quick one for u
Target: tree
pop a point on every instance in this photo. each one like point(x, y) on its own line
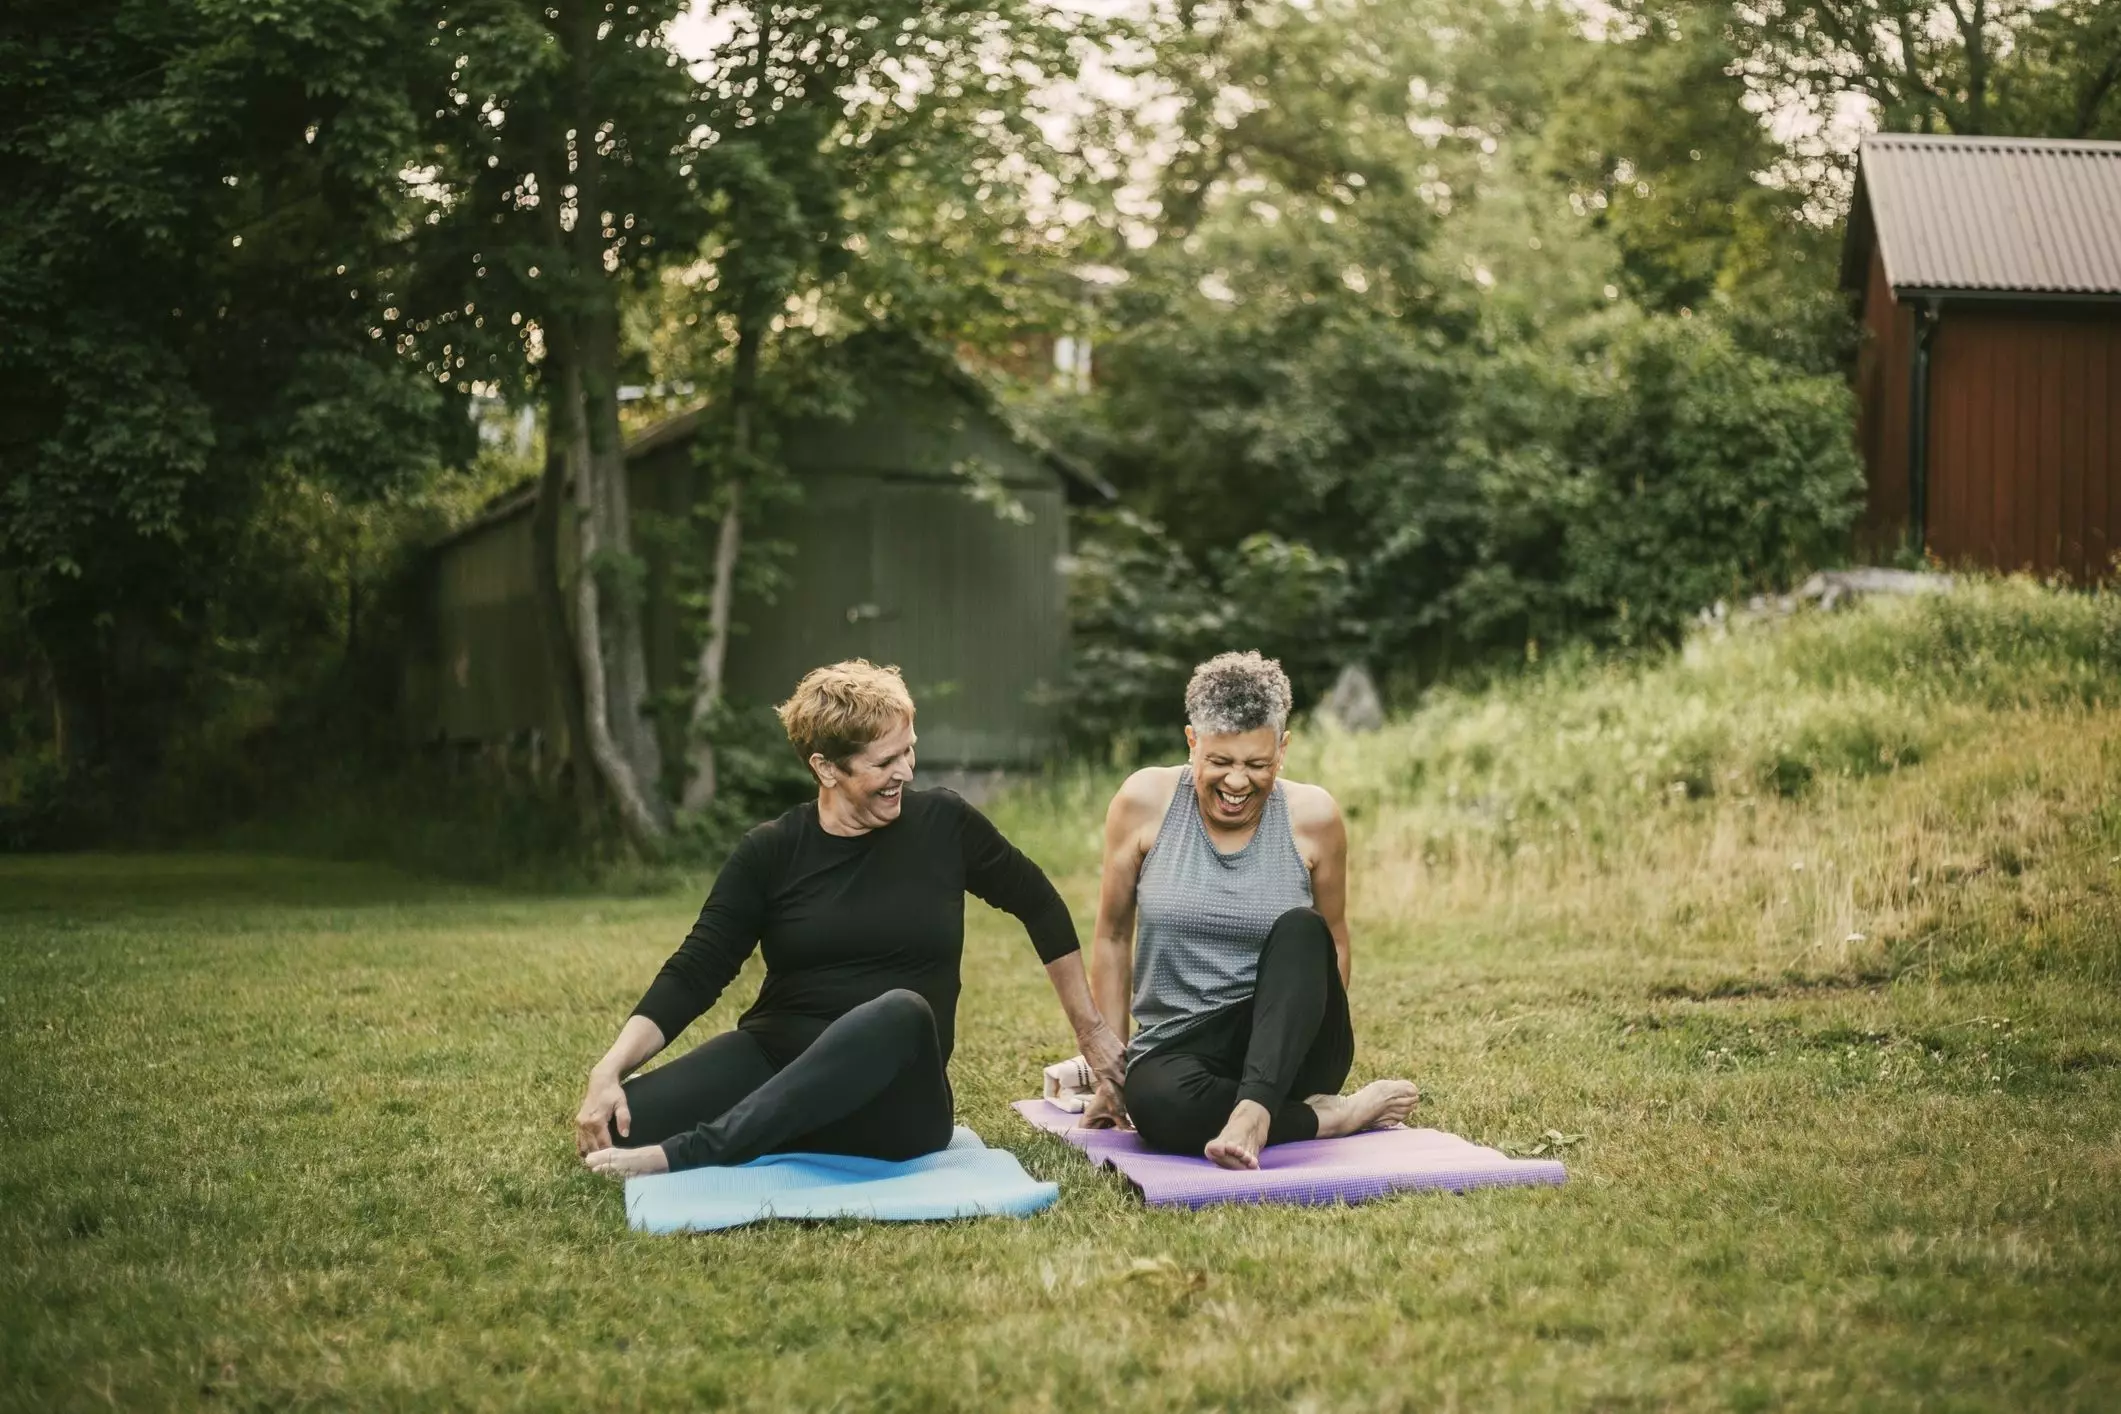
point(864, 167)
point(562, 145)
point(1651, 133)
point(1452, 309)
point(188, 195)
point(575, 155)
point(2062, 77)
point(1957, 66)
point(1279, 286)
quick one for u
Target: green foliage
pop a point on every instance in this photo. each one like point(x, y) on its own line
point(522, 106)
point(1604, 481)
point(1713, 472)
point(2022, 67)
point(1145, 613)
point(1652, 137)
point(2062, 75)
point(1431, 334)
point(758, 776)
point(182, 353)
point(1535, 357)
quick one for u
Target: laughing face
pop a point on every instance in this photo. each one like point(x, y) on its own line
point(1233, 772)
point(869, 791)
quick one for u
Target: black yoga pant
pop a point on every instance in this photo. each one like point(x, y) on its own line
point(1291, 1040)
point(871, 1084)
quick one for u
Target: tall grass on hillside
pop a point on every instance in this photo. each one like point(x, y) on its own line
point(1597, 787)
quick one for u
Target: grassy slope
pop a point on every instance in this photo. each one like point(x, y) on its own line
point(278, 1134)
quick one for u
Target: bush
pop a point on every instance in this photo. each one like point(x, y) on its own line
point(1713, 473)
point(1145, 613)
point(1597, 486)
point(1609, 483)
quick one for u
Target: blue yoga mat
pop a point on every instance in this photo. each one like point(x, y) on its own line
point(965, 1180)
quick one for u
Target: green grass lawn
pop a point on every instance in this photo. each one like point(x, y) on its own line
point(1815, 937)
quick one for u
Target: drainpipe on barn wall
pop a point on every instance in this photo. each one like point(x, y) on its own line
point(1918, 431)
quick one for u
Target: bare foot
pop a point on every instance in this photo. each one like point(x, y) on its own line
point(1381, 1104)
point(1238, 1146)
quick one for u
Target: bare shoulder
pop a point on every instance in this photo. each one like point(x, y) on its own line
point(1311, 808)
point(1144, 796)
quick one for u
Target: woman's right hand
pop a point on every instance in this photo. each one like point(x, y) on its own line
point(1106, 1110)
point(604, 1118)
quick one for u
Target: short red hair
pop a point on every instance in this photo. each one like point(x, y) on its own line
point(840, 708)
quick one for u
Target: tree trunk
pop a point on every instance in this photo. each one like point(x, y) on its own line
point(570, 430)
point(702, 785)
point(552, 616)
point(620, 692)
point(1976, 33)
point(2095, 90)
point(79, 661)
point(625, 653)
point(702, 782)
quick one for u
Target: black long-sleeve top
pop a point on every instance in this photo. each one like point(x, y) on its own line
point(844, 919)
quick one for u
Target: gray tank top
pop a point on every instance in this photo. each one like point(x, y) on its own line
point(1202, 916)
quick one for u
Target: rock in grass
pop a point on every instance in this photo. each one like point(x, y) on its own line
point(1353, 704)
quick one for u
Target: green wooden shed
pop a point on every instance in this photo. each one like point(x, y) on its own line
point(930, 531)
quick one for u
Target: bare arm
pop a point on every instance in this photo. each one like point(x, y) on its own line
point(1105, 1052)
point(1112, 941)
point(1138, 803)
point(1324, 844)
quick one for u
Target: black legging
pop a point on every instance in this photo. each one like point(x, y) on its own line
point(1291, 1040)
point(871, 1084)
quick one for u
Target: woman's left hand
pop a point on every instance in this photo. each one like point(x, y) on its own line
point(626, 1163)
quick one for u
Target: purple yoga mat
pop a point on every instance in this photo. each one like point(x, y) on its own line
point(1316, 1171)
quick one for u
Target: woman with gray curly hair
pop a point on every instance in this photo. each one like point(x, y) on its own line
point(1223, 911)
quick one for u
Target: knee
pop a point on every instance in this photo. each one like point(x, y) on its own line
point(902, 1011)
point(904, 1005)
point(1301, 928)
point(1303, 919)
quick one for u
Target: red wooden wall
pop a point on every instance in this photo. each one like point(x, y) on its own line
point(2025, 440)
point(2024, 432)
point(1882, 389)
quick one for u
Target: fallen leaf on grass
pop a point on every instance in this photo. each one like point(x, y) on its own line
point(1552, 1141)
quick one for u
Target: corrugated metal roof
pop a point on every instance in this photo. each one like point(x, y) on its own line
point(1995, 214)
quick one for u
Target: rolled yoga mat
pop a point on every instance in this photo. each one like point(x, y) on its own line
point(965, 1180)
point(1350, 1169)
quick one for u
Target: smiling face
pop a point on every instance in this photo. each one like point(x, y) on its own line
point(1233, 772)
point(869, 790)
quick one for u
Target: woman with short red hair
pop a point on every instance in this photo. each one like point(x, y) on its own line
point(857, 901)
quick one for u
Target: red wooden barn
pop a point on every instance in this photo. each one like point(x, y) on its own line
point(1989, 381)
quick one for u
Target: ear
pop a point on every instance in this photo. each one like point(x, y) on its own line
point(1191, 742)
point(823, 770)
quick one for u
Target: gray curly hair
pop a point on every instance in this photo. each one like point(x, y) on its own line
point(1238, 692)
